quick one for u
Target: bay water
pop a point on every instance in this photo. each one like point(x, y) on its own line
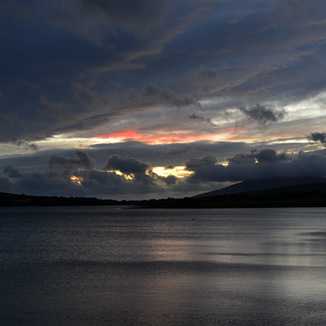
point(131, 266)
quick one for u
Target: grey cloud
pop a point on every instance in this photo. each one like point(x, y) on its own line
point(138, 12)
point(155, 95)
point(317, 136)
point(195, 164)
point(48, 183)
point(269, 156)
point(49, 100)
point(206, 74)
point(170, 154)
point(122, 50)
point(198, 117)
point(6, 185)
point(92, 183)
point(13, 8)
point(206, 174)
point(12, 172)
point(170, 180)
point(97, 179)
point(262, 156)
point(262, 115)
point(56, 109)
point(154, 155)
point(242, 167)
point(26, 144)
point(82, 159)
point(157, 179)
point(241, 158)
point(125, 165)
point(41, 183)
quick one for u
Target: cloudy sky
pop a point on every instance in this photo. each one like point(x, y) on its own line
point(150, 99)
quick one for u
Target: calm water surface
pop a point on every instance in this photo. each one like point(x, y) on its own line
point(113, 266)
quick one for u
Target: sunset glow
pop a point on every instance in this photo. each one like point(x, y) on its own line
point(77, 180)
point(126, 176)
point(160, 138)
point(176, 171)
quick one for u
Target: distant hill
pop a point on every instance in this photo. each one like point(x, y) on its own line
point(7, 199)
point(299, 195)
point(294, 192)
point(264, 184)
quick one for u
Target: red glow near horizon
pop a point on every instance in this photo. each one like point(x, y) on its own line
point(166, 138)
point(129, 134)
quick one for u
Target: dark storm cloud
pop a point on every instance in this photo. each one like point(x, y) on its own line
point(12, 172)
point(13, 8)
point(195, 164)
point(69, 66)
point(261, 156)
point(85, 16)
point(40, 183)
point(136, 12)
point(269, 156)
point(92, 182)
point(125, 165)
point(269, 165)
point(82, 159)
point(170, 154)
point(262, 115)
point(72, 62)
point(317, 136)
point(207, 173)
point(153, 95)
point(61, 63)
point(207, 74)
point(155, 155)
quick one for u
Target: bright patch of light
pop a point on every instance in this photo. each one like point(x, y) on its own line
point(77, 180)
point(126, 176)
point(288, 141)
point(309, 108)
point(176, 171)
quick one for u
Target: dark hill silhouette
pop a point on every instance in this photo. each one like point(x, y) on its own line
point(295, 192)
point(7, 199)
point(263, 193)
point(264, 184)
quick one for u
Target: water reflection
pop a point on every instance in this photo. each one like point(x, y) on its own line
point(147, 267)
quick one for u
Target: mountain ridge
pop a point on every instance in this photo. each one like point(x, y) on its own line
point(262, 184)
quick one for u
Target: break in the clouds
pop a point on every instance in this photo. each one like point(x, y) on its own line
point(146, 84)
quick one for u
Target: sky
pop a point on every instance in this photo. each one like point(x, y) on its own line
point(139, 99)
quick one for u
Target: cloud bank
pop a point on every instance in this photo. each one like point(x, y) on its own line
point(132, 178)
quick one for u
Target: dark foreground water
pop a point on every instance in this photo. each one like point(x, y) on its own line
point(112, 266)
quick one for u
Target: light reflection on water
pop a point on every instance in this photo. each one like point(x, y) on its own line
point(111, 266)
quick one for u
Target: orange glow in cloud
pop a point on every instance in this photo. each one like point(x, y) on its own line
point(166, 138)
point(77, 180)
